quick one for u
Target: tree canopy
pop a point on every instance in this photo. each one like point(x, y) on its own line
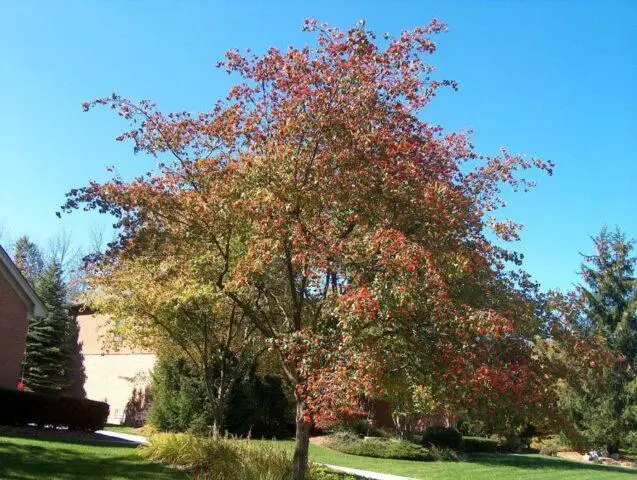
point(349, 231)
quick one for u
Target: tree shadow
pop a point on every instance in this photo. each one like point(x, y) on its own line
point(34, 461)
point(64, 436)
point(542, 462)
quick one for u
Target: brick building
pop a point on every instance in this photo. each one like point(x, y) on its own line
point(18, 304)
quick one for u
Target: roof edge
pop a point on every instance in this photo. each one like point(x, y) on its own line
point(18, 281)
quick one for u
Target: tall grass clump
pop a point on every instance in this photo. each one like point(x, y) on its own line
point(220, 458)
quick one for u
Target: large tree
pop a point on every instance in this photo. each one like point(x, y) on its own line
point(350, 232)
point(604, 413)
point(47, 362)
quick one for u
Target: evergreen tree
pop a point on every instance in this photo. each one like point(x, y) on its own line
point(48, 353)
point(28, 258)
point(606, 416)
point(610, 293)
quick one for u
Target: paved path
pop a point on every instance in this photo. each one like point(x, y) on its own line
point(124, 436)
point(353, 471)
point(365, 473)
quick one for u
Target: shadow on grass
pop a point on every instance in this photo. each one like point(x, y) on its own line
point(63, 436)
point(541, 462)
point(30, 454)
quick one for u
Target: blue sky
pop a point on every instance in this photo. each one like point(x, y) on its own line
point(553, 79)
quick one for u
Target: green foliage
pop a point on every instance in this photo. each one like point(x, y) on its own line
point(356, 426)
point(179, 398)
point(481, 445)
point(610, 292)
point(257, 405)
point(604, 417)
point(442, 437)
point(324, 473)
point(385, 448)
point(47, 364)
point(220, 458)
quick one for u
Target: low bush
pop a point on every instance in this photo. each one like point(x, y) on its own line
point(442, 437)
point(23, 408)
point(220, 458)
point(550, 450)
point(324, 473)
point(357, 426)
point(481, 445)
point(550, 445)
point(385, 448)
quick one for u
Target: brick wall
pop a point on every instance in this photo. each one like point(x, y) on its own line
point(13, 333)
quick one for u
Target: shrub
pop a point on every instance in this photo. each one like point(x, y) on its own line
point(324, 473)
point(550, 450)
point(442, 437)
point(179, 398)
point(22, 408)
point(480, 445)
point(357, 426)
point(220, 458)
point(377, 447)
point(550, 445)
point(257, 405)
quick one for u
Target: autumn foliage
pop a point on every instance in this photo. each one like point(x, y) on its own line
point(350, 232)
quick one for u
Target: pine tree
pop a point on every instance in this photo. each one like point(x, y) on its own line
point(48, 353)
point(607, 416)
point(28, 258)
point(610, 294)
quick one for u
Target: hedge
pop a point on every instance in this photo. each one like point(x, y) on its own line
point(442, 437)
point(22, 408)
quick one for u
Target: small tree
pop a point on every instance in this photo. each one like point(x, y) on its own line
point(47, 359)
point(175, 315)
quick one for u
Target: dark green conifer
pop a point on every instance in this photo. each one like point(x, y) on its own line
point(48, 353)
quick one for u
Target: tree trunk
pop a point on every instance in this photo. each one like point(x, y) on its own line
point(302, 441)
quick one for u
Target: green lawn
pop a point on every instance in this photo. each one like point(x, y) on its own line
point(30, 454)
point(478, 467)
point(35, 455)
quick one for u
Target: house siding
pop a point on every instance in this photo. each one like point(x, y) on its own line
point(13, 333)
point(110, 374)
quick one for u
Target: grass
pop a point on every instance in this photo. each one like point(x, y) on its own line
point(28, 454)
point(481, 466)
point(31, 454)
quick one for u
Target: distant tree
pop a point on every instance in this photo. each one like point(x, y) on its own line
point(28, 258)
point(606, 414)
point(48, 352)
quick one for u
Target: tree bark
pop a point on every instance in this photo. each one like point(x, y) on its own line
point(302, 441)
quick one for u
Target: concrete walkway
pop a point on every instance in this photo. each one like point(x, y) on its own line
point(140, 440)
point(124, 436)
point(365, 473)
